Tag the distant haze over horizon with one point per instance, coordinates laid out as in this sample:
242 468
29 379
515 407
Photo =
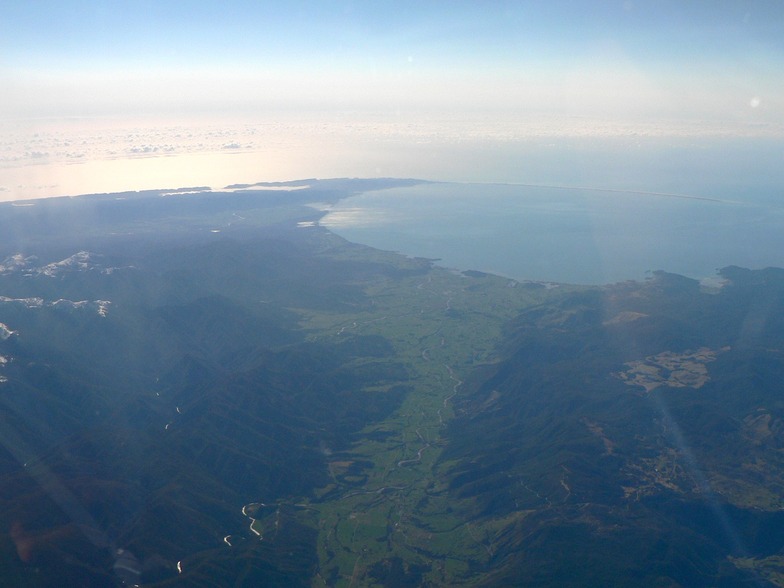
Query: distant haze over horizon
101 96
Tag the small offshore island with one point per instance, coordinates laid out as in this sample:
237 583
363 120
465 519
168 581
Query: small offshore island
207 387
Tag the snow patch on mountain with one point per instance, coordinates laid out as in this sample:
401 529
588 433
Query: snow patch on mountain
17 262
5 332
78 262
28 302
99 306
81 261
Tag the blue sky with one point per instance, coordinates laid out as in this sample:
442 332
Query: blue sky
408 54
96 82
181 31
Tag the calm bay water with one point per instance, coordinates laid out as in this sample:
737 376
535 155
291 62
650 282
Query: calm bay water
567 235
680 205
623 227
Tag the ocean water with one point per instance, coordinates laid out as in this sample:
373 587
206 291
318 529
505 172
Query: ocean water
689 211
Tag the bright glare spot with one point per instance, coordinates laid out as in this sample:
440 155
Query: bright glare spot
754 102
410 58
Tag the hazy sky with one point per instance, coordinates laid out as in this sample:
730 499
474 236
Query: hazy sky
176 73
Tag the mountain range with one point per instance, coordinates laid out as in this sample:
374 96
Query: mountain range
205 388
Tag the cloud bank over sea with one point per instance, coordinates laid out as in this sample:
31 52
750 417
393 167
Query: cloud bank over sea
73 156
97 97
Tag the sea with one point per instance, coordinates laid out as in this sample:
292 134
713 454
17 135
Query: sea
578 209
593 216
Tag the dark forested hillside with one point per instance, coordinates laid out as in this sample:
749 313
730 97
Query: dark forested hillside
210 389
632 436
157 382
